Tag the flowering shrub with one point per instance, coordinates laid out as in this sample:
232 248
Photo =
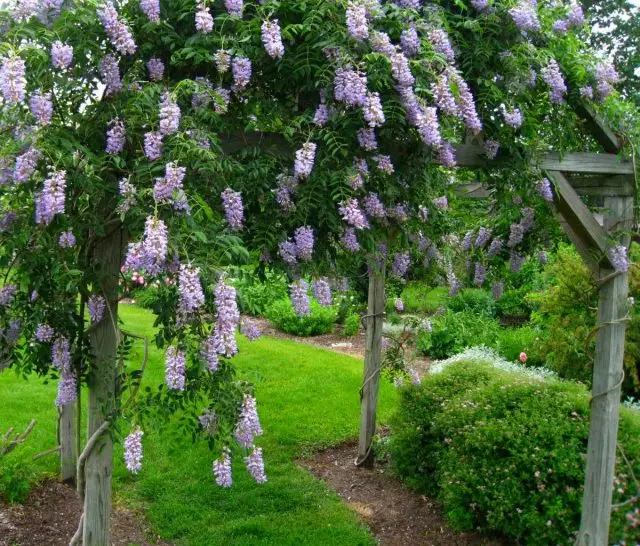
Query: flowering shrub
351 325
504 452
320 320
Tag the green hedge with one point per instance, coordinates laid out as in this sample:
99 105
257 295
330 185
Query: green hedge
505 452
320 321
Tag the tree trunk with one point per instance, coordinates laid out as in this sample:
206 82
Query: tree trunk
372 362
68 454
101 383
607 379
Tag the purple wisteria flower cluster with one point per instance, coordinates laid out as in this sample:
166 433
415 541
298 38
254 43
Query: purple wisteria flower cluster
248 426
117 31
400 265
350 240
552 76
110 74
305 159
272 39
227 320
234 7
96 306
299 294
303 237
222 469
153 145
133 451
116 137
322 292
574 19
618 258
175 368
233 209
151 8
255 465
12 79
51 200
44 333
155 67
169 115
150 254
241 70
41 107
61 360
525 17
25 165
357 23
249 329
191 297
204 19
352 215
61 55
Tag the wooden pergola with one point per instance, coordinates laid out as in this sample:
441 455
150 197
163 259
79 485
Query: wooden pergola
611 179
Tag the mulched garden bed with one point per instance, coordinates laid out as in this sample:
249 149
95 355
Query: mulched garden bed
50 517
395 515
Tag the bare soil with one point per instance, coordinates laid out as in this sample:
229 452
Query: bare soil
50 518
395 515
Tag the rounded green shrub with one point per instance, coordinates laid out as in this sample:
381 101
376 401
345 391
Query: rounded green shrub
321 320
505 453
476 300
351 325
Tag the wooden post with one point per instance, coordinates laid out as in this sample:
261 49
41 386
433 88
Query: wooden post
607 380
372 361
104 340
68 454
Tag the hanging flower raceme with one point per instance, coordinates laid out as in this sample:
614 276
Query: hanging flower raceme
44 333
367 139
497 290
51 200
398 304
222 469
440 42
400 265
169 115
118 32
234 7
12 79
467 107
410 42
61 55
544 189
133 451
525 17
128 193
606 77
383 163
321 115
191 297
350 87
227 320
400 70
357 19
204 20
153 145
321 292
255 465
151 8
373 206
305 158
67 239
116 137
443 96
110 74
25 165
41 107
248 426
618 258
233 208
484 235
381 43
372 110
7 293
479 274
222 60
515 262
351 213
249 329
96 307
272 39
447 155
241 70
298 291
552 76
175 368
150 254
169 189
155 67
304 243
288 252
512 118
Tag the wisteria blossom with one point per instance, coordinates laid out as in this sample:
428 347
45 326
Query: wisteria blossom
118 32
248 426
305 158
241 70
321 292
357 23
110 74
367 139
25 165
552 76
51 200
12 79
222 469
249 329
223 60
151 8
175 368
304 243
227 320
233 208
298 292
255 465
351 213
234 7
155 67
41 107
61 55
204 19
272 39
350 240
116 137
96 306
133 451
169 115
191 297
153 145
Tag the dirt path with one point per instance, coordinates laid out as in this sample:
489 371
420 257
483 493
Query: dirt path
50 518
395 515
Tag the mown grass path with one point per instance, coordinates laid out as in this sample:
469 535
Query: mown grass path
307 399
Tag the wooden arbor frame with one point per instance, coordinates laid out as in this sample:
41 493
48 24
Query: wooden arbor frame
603 175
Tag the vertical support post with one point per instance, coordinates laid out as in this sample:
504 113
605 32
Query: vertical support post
607 379
101 381
68 454
372 361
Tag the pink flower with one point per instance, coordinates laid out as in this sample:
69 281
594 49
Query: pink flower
523 357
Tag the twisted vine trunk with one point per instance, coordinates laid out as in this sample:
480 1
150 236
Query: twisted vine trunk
101 381
372 362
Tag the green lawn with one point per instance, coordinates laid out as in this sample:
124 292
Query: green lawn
307 399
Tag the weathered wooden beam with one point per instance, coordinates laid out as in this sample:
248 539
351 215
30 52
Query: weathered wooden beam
607 382
472 190
603 186
586 162
68 455
372 367
582 224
